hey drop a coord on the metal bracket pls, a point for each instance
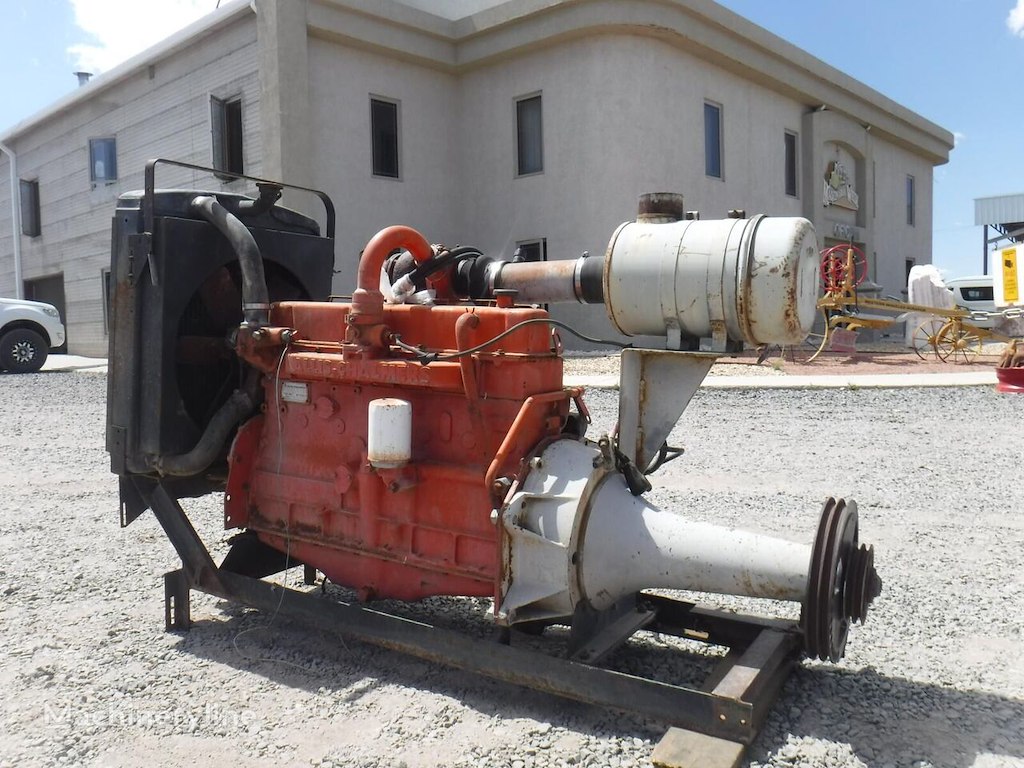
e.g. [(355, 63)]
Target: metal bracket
[(595, 634), (655, 386), (177, 608), (140, 246)]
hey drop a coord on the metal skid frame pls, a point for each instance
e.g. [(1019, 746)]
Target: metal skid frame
[(715, 722)]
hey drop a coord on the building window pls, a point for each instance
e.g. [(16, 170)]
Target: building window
[(790, 142), (529, 136), (102, 161), (531, 250), (30, 224), (712, 140), (911, 212), (384, 138), (226, 124)]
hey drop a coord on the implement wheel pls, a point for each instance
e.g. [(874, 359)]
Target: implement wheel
[(958, 345), (925, 337)]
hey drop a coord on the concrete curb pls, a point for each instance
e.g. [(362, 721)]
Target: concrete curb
[(838, 381), (77, 363), (71, 363)]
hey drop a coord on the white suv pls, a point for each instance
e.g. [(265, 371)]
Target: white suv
[(28, 330), (975, 294)]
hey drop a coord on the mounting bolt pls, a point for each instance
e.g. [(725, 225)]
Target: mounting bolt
[(494, 517), (536, 463)]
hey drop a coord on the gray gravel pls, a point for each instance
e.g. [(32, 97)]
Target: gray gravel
[(935, 677)]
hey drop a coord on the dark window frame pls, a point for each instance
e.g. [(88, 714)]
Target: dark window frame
[(911, 190), (791, 141), (385, 138), (714, 144), (103, 149), (227, 134), (529, 152), (31, 222), (533, 249)]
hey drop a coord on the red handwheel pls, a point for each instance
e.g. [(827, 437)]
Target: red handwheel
[(834, 264)]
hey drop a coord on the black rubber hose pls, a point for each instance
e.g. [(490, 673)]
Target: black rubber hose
[(241, 403), (255, 296), (428, 268)]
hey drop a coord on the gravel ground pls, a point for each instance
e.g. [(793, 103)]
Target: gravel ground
[(934, 678)]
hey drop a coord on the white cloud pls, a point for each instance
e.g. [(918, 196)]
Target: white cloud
[(1015, 21), (959, 137), (116, 30)]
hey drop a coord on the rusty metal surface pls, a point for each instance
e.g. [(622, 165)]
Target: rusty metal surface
[(660, 206), (538, 282)]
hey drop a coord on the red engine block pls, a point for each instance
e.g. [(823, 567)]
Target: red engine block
[(299, 473)]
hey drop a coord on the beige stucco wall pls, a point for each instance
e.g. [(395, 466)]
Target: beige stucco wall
[(341, 81)]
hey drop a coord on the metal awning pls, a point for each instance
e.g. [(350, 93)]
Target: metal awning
[(1005, 215)]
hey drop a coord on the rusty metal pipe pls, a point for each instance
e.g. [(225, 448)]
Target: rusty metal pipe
[(538, 282), (464, 326), (381, 246), (550, 282), (367, 315), (511, 437)]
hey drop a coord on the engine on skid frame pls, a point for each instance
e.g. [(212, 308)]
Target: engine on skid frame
[(423, 442)]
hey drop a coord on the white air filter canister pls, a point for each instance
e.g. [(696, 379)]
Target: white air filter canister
[(389, 434), (750, 279)]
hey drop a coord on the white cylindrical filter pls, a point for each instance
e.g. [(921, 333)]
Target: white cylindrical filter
[(389, 432), (754, 279)]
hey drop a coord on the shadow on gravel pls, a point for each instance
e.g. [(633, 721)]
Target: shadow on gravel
[(311, 659), (886, 721), (891, 721)]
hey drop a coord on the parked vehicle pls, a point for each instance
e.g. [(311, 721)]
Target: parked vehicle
[(28, 331), (974, 294)]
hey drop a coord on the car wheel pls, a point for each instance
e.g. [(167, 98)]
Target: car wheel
[(22, 351)]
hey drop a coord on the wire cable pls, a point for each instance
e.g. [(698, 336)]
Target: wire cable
[(431, 357), (287, 539)]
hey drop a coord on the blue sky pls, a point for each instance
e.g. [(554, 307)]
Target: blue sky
[(958, 63)]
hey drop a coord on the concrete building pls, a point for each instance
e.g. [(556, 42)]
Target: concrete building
[(496, 124)]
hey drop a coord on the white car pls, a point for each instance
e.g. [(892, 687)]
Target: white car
[(28, 330), (974, 294)]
